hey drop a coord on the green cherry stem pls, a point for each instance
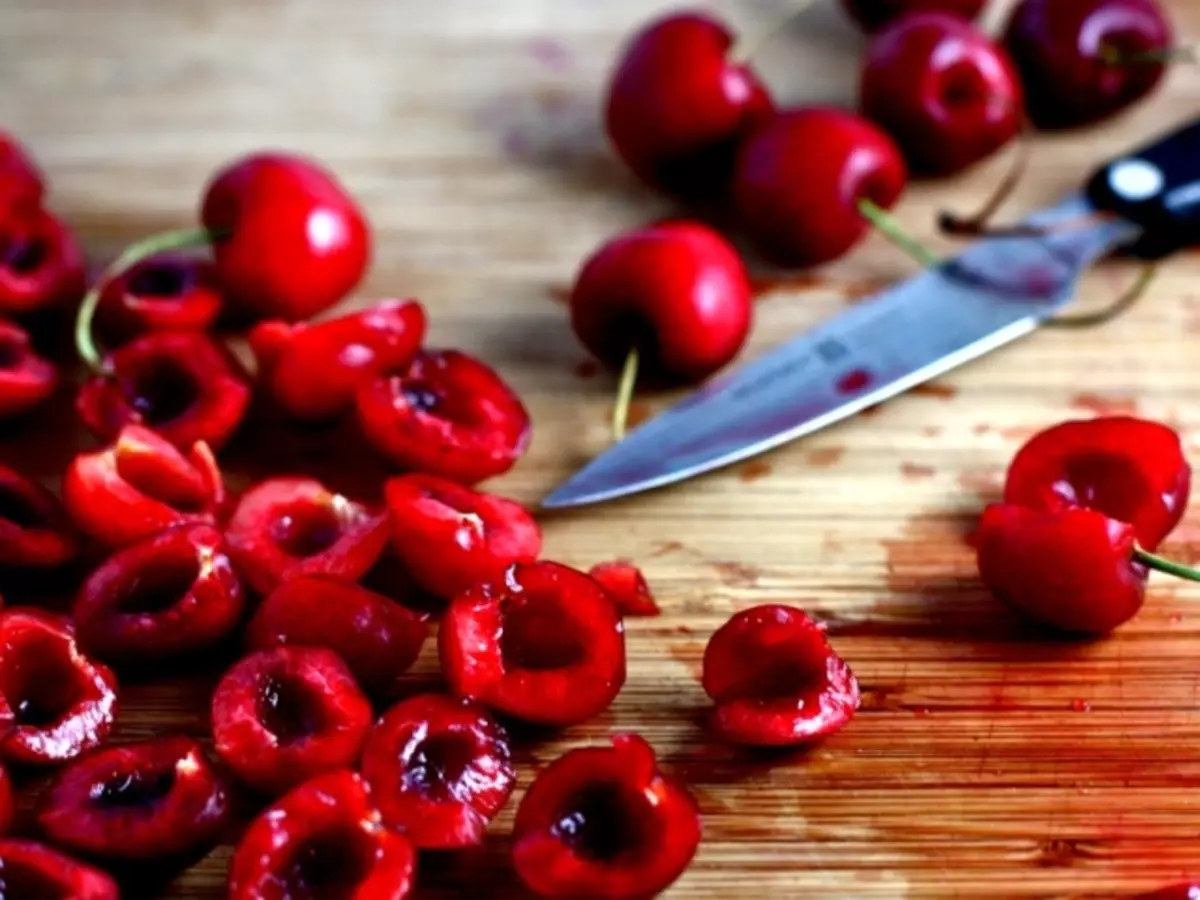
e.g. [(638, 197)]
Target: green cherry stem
[(85, 341), (624, 394), (1115, 57), (1114, 309), (1159, 564), (887, 225)]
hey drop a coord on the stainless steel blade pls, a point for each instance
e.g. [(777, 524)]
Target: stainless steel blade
[(999, 290)]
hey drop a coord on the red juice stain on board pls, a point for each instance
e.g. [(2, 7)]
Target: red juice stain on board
[(638, 413), (981, 428), (931, 430), (930, 552), (935, 389), (551, 54), (986, 485), (586, 369), (690, 655), (858, 291), (665, 548), (915, 472), (736, 574), (824, 457), (559, 293), (1101, 405), (763, 285), (754, 470)]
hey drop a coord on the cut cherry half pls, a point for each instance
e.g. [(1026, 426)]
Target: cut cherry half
[(605, 822), (26, 379), (162, 600), (284, 527), (41, 264), (324, 839), (376, 637), (626, 585), (285, 715), (156, 799), (33, 871), (183, 385), (451, 537), (166, 292), (55, 703), (775, 680), (139, 485), (544, 644), (439, 770), (448, 414), (34, 529)]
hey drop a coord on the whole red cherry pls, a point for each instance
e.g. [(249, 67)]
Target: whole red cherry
[(1085, 60), (678, 104), (873, 15), (940, 87), (801, 179)]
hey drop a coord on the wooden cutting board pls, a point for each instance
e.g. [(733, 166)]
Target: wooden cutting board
[(985, 762)]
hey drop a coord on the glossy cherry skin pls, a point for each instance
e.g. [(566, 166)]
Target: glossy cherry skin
[(1059, 48), (439, 770), (167, 292), (156, 799), (678, 104), (34, 870), (323, 839), (944, 92), (775, 681), (290, 241), (799, 180), (35, 532), (605, 822), (873, 15), (41, 264), (183, 385), (1071, 569), (626, 586), (22, 185), (1131, 469), (26, 379), (676, 291)]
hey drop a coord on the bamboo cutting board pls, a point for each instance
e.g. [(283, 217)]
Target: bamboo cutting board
[(985, 762)]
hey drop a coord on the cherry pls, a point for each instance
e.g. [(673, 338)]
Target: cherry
[(284, 527), (166, 292), (55, 702), (439, 770), (605, 822), (181, 384), (450, 537), (22, 185), (41, 264), (166, 598), (30, 871), (312, 371), (1085, 60), (139, 485), (26, 379), (873, 15), (626, 586), (323, 839), (942, 90), (678, 103), (806, 181), (7, 801), (150, 800), (1130, 469), (447, 414), (377, 638), (775, 680), (544, 644), (34, 530), (285, 715), (671, 298)]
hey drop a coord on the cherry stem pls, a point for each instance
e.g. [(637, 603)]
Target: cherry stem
[(749, 44), (887, 225), (85, 342), (977, 225), (1114, 309), (1159, 564), (624, 394), (1115, 57)]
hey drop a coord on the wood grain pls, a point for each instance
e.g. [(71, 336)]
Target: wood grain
[(986, 762)]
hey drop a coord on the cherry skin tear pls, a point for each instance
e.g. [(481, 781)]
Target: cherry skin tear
[(156, 799), (678, 105), (41, 264), (605, 822), (874, 15), (775, 681), (167, 292), (626, 585), (323, 839), (26, 379), (35, 532), (1086, 60), (544, 644), (800, 180), (940, 87), (439, 770), (33, 871)]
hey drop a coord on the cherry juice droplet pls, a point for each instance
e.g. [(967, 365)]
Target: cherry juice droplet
[(854, 381)]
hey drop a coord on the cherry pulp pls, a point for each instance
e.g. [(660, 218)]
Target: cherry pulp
[(450, 537), (775, 681), (32, 870), (605, 822), (802, 179), (139, 485), (162, 600), (26, 379), (447, 414), (41, 264), (167, 292), (544, 643), (182, 384), (284, 527), (874, 15), (35, 532), (439, 770), (55, 702), (312, 371), (323, 839), (1086, 60), (22, 185), (940, 87), (626, 586), (376, 637), (157, 799), (678, 104), (285, 715)]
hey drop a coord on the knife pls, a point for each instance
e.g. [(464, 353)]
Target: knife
[(1000, 289)]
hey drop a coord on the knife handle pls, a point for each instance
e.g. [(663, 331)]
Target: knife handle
[(1158, 188)]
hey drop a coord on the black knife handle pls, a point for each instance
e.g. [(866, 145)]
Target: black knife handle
[(1158, 188)]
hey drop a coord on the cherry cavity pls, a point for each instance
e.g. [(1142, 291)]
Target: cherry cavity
[(35, 532), (873, 15), (26, 379), (626, 586), (41, 264), (167, 292), (32, 871)]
